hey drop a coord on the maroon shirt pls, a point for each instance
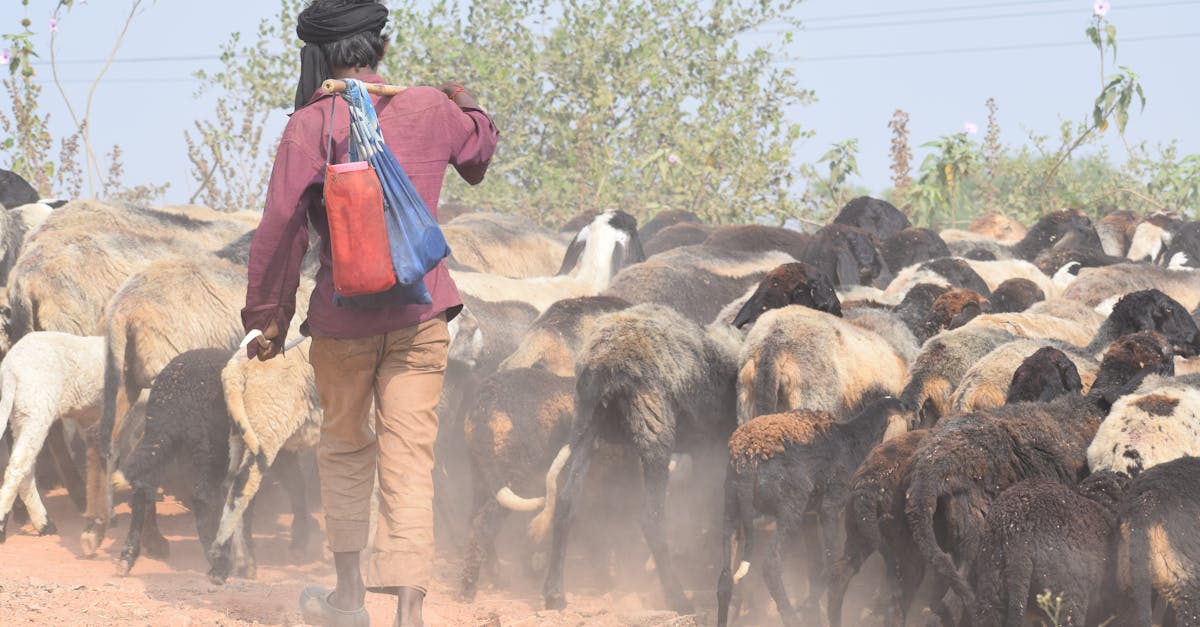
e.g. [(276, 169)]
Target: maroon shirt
[(426, 131)]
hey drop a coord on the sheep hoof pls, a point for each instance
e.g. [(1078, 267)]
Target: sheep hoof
[(156, 546), (248, 570), (48, 529), (556, 602), (3, 529), (89, 541), (124, 565), (467, 593), (216, 578)]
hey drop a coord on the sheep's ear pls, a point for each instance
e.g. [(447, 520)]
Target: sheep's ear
[(574, 250), (846, 266), (1070, 378)]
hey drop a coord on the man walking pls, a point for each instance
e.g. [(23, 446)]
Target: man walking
[(394, 355)]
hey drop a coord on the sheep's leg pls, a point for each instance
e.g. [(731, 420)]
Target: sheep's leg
[(786, 525), (854, 554), (906, 572), (56, 441), (654, 525), (571, 479), (292, 478), (243, 546), (481, 544), (18, 476), (98, 495), (821, 563), (37, 510), (156, 545), (137, 520)]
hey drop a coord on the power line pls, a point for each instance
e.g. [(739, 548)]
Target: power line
[(966, 18), (1008, 48), (942, 9), (134, 60)]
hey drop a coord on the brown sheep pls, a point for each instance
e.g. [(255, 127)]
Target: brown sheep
[(801, 358), (951, 310), (504, 245)]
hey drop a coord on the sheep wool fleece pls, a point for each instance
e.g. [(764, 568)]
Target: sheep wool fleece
[(403, 372)]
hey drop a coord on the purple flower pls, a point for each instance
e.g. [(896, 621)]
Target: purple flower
[(672, 159), (970, 128), (5, 56), (53, 25), (1100, 8)]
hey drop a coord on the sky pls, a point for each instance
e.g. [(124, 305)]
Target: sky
[(939, 60)]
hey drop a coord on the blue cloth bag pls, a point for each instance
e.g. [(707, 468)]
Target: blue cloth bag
[(414, 237)]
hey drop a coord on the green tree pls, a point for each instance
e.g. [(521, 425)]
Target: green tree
[(640, 105)]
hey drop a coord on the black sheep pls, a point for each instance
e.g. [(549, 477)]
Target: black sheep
[(1184, 249), (1045, 535), (789, 466), (952, 310), (969, 459), (1044, 376), (757, 238), (1158, 547), (517, 423), (915, 306), (912, 245), (1053, 228), (662, 221), (186, 418), (1052, 260), (790, 284), (1016, 295), (878, 217), (958, 273), (875, 521), (848, 255), (676, 235)]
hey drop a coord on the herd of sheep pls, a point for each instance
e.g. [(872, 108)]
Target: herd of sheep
[(996, 412)]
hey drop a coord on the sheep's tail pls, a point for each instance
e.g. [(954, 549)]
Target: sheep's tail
[(540, 525), (865, 511), (1133, 568), (510, 500), (589, 394), (248, 476), (920, 509), (739, 520), (115, 344), (758, 388)]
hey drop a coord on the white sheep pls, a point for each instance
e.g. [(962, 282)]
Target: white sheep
[(46, 376), (274, 406), (600, 250), (1158, 423)]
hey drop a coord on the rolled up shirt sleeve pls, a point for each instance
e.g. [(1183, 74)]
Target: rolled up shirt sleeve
[(473, 137), (281, 240)]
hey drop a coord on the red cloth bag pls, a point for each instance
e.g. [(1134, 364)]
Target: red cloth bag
[(362, 258)]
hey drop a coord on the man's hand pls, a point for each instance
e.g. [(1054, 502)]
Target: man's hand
[(459, 95), (266, 345)]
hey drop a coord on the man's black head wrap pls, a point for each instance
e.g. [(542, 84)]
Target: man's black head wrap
[(326, 22)]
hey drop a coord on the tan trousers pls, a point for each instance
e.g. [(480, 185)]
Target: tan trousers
[(402, 372)]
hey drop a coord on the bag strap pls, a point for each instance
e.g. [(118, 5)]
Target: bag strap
[(329, 151)]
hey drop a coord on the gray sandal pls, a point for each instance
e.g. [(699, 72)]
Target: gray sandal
[(316, 610)]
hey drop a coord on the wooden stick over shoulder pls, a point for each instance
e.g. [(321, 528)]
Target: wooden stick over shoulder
[(334, 86)]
